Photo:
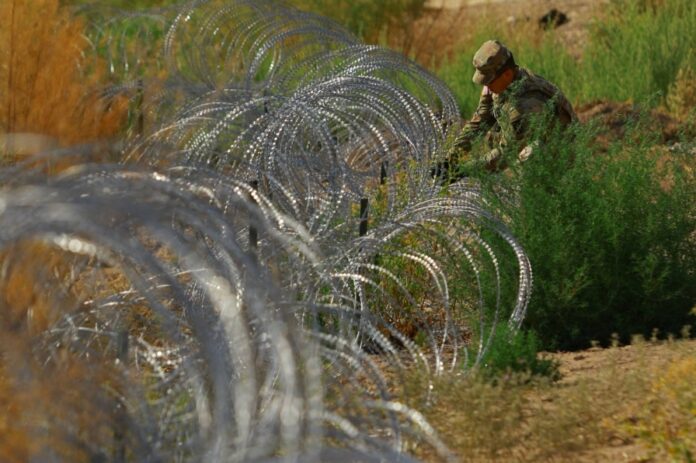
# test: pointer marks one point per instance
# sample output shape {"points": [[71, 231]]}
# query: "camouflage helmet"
{"points": [[489, 61]]}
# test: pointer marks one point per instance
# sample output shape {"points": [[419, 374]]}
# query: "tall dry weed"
{"points": [[681, 98], [668, 423], [609, 403], [47, 83], [50, 407]]}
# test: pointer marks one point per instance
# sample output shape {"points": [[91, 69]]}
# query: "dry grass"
{"points": [[49, 408], [667, 422], [612, 405], [47, 85], [681, 99]]}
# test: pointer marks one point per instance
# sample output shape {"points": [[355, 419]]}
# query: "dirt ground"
{"points": [[439, 31], [607, 407], [647, 358]]}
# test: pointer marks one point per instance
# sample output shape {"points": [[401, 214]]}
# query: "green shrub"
{"points": [[610, 233], [518, 352]]}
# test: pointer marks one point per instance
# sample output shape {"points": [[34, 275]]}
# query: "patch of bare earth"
{"points": [[631, 368], [439, 32], [592, 414], [614, 118]]}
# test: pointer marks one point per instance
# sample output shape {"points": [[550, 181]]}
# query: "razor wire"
{"points": [[221, 288], [216, 363]]}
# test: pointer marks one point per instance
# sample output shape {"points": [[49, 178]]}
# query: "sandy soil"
{"points": [[646, 358], [439, 31]]}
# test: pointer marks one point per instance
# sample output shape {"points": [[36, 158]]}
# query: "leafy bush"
{"points": [[517, 351], [610, 234]]}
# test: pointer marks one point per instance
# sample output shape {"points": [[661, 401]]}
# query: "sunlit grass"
{"points": [[623, 401], [49, 83], [636, 50]]}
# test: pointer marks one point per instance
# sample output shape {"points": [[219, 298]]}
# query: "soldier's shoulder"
{"points": [[531, 82]]}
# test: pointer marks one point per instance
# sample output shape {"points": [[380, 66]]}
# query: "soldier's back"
{"points": [[531, 93]]}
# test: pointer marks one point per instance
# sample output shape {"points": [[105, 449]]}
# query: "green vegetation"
{"points": [[638, 49], [372, 20], [517, 352], [634, 52], [606, 214], [609, 232]]}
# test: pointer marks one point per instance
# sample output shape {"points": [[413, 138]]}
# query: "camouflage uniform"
{"points": [[504, 118]]}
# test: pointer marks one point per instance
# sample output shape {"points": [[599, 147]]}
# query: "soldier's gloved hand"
{"points": [[527, 151]]}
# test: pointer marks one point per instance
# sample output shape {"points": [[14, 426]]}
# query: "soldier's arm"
{"points": [[482, 120], [514, 124], [454, 166]]}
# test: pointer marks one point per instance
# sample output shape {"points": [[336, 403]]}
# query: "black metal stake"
{"points": [[140, 101], [383, 172], [120, 426], [363, 216]]}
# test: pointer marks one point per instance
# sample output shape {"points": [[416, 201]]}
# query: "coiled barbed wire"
{"points": [[216, 364], [222, 289], [202, 301], [311, 116], [293, 101]]}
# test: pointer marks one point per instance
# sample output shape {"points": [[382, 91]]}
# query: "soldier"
{"points": [[511, 96]]}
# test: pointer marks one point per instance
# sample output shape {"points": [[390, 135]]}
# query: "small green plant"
{"points": [[517, 351]]}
